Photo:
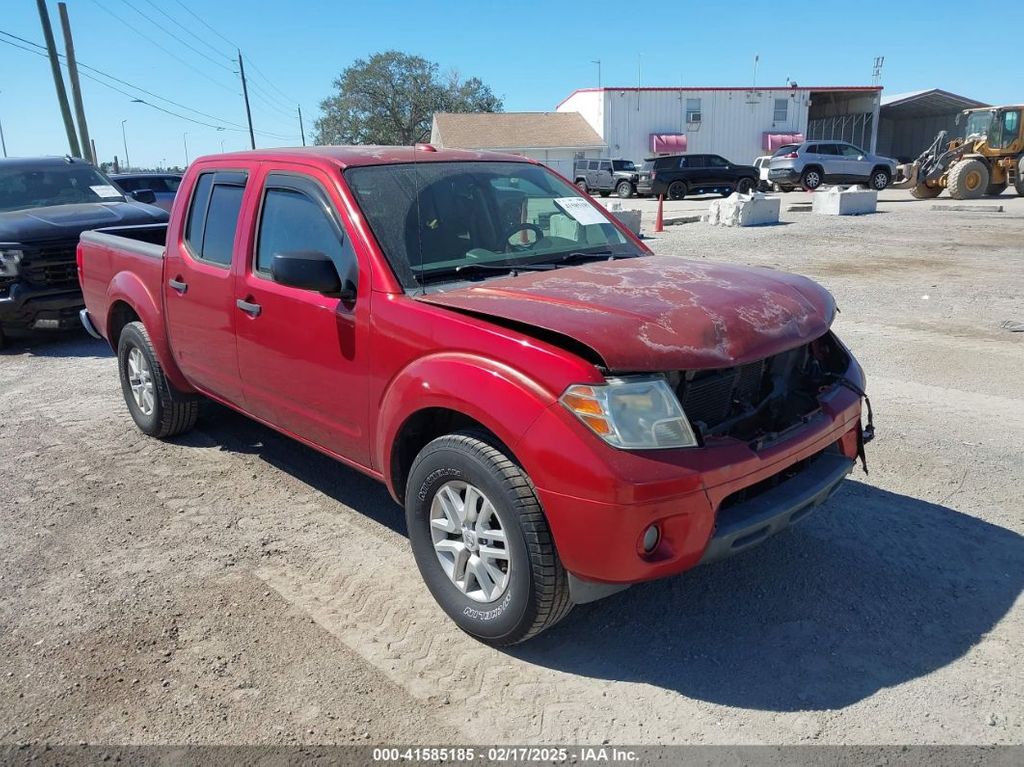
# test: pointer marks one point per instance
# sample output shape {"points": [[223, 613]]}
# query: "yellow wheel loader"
{"points": [[988, 158]]}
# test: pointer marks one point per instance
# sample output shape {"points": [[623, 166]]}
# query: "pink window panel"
{"points": [[668, 143], [772, 141]]}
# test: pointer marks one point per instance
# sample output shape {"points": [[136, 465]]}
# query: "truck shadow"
{"points": [[873, 590], [70, 343]]}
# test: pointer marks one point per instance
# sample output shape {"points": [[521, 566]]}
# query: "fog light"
{"points": [[651, 537]]}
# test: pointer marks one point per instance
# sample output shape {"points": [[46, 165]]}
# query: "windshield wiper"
{"points": [[587, 255], [470, 269]]}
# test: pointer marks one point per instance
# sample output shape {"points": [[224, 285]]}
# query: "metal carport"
{"points": [[909, 122]]}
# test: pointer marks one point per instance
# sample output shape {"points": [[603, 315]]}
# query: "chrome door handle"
{"points": [[253, 310], [178, 285]]}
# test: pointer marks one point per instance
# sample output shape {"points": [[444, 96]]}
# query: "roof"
{"points": [[118, 176], [928, 102], [515, 130], [36, 162], [346, 156], [742, 89]]}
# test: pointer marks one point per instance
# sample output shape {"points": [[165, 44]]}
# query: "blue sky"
{"points": [[532, 53]]}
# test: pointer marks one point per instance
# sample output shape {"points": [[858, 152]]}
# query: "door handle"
{"points": [[253, 310], [178, 285]]}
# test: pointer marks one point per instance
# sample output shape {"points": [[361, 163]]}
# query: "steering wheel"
{"points": [[523, 226]]}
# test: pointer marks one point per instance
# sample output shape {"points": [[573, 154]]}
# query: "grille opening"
{"points": [[769, 483], [51, 266], [762, 399]]}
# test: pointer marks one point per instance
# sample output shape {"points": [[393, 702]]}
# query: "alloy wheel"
{"points": [[140, 379]]}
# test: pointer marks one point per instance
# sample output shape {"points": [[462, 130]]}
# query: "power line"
{"points": [[226, 124], [205, 75], [174, 21], [188, 45]]}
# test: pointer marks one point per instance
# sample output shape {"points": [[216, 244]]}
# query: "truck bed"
{"points": [[131, 254]]}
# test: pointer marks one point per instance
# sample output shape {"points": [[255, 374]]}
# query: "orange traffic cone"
{"points": [[659, 222]]}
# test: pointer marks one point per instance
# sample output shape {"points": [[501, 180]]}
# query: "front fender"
{"points": [[501, 398], [128, 287]]}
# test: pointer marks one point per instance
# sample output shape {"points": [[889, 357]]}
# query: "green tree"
{"points": [[391, 97]]}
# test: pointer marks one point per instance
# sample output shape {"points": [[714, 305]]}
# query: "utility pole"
{"points": [[302, 130], [245, 93], [124, 138], [2, 142], [598, 62], [58, 79], [76, 88], [184, 140], [95, 160]]}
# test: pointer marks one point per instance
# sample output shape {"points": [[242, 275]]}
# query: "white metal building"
{"points": [[737, 123]]}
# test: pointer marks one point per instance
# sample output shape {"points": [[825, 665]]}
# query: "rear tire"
{"points": [[1018, 184], [745, 186], [469, 504], [968, 180], [925, 192], [157, 408], [676, 190], [994, 190], [811, 179], [624, 189]]}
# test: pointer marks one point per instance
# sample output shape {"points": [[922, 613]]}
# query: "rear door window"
{"points": [[213, 216]]}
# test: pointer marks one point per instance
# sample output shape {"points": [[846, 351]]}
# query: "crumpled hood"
{"points": [[68, 221], [659, 313]]}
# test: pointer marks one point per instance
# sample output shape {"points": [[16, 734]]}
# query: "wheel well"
{"points": [[813, 166], [120, 315], [881, 167], [420, 429]]}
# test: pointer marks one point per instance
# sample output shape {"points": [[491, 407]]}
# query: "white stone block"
{"points": [[631, 218], [845, 201], [755, 209]]}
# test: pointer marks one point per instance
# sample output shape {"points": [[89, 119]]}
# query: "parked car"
{"points": [[561, 412], [45, 203], [676, 176], [763, 164], [163, 186], [606, 176], [814, 163]]}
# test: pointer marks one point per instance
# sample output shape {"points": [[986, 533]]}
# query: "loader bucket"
{"points": [[906, 175]]}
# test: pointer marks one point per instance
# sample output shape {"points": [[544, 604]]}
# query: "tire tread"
{"points": [[178, 412]]}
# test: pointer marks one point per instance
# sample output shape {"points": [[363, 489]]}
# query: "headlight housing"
{"points": [[634, 413], [9, 260]]}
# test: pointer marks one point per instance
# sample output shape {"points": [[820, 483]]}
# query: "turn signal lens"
{"points": [[635, 413]]}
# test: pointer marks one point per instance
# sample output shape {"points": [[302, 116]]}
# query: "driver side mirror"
{"points": [[313, 270], [147, 196]]}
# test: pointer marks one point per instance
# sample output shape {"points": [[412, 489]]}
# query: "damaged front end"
{"points": [[765, 401]]}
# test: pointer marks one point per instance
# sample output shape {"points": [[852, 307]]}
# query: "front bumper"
{"points": [[28, 308], [706, 502]]}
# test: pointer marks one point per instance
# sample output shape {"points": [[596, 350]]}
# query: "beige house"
{"points": [[554, 138]]}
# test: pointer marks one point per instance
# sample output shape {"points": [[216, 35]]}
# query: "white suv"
{"points": [[814, 163]]}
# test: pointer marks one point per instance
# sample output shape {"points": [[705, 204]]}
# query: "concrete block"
{"points": [[631, 218], [755, 209], [563, 226], [845, 201], [970, 208]]}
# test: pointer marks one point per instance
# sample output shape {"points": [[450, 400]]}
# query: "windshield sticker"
{"points": [[580, 210], [105, 190]]}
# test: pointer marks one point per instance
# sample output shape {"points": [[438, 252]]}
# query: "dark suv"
{"points": [[606, 176], [676, 176]]}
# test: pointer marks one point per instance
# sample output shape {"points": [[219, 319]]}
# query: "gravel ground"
{"points": [[231, 586]]}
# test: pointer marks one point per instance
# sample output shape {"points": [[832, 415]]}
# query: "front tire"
{"points": [[880, 179], [925, 192], [481, 541], [1018, 183], [994, 190], [582, 186], [624, 189], [745, 186], [157, 408], [968, 180]]}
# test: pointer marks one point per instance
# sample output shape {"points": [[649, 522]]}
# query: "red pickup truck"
{"points": [[560, 412]]}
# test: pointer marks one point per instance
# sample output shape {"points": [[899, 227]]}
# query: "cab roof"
{"points": [[348, 156]]}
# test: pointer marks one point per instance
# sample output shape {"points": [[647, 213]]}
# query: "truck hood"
{"points": [[658, 313], [61, 222]]}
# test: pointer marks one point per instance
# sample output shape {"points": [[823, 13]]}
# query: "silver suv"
{"points": [[814, 163]]}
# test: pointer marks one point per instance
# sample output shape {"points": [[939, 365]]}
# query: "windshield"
{"points": [[785, 149], [28, 187], [978, 124], [445, 221], [623, 165]]}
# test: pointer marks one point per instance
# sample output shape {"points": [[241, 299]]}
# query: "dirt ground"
{"points": [[231, 586]]}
